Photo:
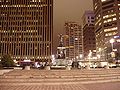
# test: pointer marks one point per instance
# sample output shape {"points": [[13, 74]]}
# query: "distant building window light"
{"points": [[118, 4], [96, 7], [108, 16], [103, 0], [35, 0], [99, 24], [109, 20], [111, 34], [110, 29], [114, 19], [105, 21], [99, 15]]}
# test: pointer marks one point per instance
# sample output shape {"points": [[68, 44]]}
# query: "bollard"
{"points": [[27, 67], [47, 68], [107, 66], [88, 67], [68, 68]]}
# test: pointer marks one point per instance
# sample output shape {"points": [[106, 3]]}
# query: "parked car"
{"points": [[102, 64], [112, 65], [81, 65]]}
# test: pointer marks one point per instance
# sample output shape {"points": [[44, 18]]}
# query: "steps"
{"points": [[21, 77]]}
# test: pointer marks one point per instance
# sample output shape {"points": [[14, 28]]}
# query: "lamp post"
{"points": [[81, 56], [112, 41], [77, 58], [53, 59], [100, 54], [98, 57], [112, 52], [89, 57]]}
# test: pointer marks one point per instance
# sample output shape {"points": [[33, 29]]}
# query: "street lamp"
{"points": [[77, 57], [98, 56], [112, 41], [89, 55], [53, 59], [81, 56], [112, 52]]}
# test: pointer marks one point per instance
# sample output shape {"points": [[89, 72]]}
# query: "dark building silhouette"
{"points": [[89, 42]]}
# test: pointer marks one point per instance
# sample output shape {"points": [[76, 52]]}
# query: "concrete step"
{"points": [[32, 79], [57, 77], [61, 82]]}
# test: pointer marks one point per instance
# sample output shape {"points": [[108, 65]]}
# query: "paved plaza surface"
{"points": [[94, 79], [98, 86]]}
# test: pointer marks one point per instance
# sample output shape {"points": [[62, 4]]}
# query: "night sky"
{"points": [[68, 10]]}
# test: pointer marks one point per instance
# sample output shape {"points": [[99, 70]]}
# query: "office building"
{"points": [[89, 42], [107, 24], [73, 42], [26, 29]]}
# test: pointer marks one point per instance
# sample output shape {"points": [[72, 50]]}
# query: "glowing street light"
{"points": [[98, 56], [112, 53], [81, 56], [90, 54], [112, 41], [77, 57], [53, 59]]}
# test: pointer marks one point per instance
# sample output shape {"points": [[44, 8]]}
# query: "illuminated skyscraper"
{"points": [[74, 40], [26, 29], [107, 24]]}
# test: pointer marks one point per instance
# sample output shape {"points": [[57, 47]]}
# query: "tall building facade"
{"points": [[107, 24], [89, 42], [26, 29], [73, 41]]}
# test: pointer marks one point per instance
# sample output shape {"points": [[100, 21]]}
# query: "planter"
{"points": [[68, 68], [88, 67], [107, 67], [27, 67], [47, 68]]}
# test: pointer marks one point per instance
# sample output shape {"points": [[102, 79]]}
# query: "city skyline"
{"points": [[65, 11]]}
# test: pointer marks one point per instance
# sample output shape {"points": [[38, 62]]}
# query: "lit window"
{"points": [[118, 4], [109, 20], [108, 16], [103, 0], [111, 34], [96, 7], [110, 29], [114, 19], [99, 23], [105, 21]]}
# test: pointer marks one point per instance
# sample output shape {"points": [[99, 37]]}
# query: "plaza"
{"points": [[34, 79]]}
